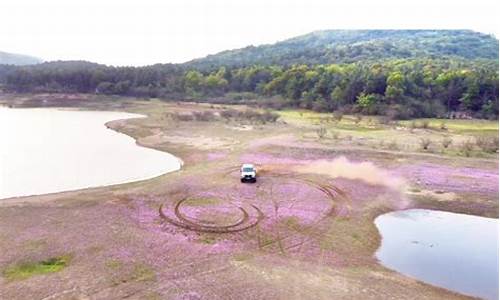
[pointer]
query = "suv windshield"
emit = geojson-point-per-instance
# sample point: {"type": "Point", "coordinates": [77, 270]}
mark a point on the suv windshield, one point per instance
{"type": "Point", "coordinates": [247, 169]}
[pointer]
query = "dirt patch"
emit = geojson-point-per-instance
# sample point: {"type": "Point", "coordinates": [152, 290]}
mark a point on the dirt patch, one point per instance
{"type": "Point", "coordinates": [437, 195]}
{"type": "Point", "coordinates": [241, 127]}
{"type": "Point", "coordinates": [198, 142]}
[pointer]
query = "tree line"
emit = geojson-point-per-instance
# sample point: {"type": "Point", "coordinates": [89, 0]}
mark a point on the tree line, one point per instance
{"type": "Point", "coordinates": [398, 88]}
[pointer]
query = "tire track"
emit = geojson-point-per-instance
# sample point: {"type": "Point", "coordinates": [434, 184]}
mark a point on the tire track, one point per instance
{"type": "Point", "coordinates": [339, 206]}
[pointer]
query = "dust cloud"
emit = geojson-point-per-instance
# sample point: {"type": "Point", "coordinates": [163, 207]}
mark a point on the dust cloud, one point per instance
{"type": "Point", "coordinates": [365, 171]}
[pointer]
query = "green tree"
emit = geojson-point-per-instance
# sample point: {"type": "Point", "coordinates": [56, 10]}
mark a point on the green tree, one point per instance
{"type": "Point", "coordinates": [193, 81]}
{"type": "Point", "coordinates": [366, 101]}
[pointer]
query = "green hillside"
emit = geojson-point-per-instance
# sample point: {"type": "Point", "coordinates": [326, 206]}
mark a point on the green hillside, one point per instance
{"type": "Point", "coordinates": [346, 46]}
{"type": "Point", "coordinates": [398, 73]}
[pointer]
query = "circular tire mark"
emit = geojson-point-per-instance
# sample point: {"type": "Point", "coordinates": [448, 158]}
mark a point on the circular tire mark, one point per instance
{"type": "Point", "coordinates": [248, 220]}
{"type": "Point", "coordinates": [193, 222]}
{"type": "Point", "coordinates": [242, 224]}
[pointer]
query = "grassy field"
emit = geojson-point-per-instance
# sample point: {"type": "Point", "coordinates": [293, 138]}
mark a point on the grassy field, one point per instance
{"type": "Point", "coordinates": [477, 138]}
{"type": "Point", "coordinates": [302, 232]}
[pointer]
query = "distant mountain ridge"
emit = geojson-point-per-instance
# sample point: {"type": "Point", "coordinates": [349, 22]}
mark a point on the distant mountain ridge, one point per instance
{"type": "Point", "coordinates": [7, 58]}
{"type": "Point", "coordinates": [347, 46]}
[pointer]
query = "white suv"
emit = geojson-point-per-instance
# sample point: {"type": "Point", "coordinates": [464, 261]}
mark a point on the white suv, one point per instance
{"type": "Point", "coordinates": [248, 173]}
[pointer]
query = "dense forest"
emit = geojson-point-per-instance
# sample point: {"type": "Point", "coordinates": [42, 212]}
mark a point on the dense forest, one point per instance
{"type": "Point", "coordinates": [401, 74]}
{"type": "Point", "coordinates": [348, 46]}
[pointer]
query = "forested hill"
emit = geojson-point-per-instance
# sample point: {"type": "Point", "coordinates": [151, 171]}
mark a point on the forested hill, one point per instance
{"type": "Point", "coordinates": [400, 74]}
{"type": "Point", "coordinates": [17, 59]}
{"type": "Point", "coordinates": [346, 46]}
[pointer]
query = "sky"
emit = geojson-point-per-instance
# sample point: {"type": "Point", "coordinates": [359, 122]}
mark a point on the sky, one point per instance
{"type": "Point", "coordinates": [126, 32]}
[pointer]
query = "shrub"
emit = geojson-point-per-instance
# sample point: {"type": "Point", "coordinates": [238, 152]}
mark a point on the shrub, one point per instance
{"type": "Point", "coordinates": [250, 115]}
{"type": "Point", "coordinates": [425, 143]}
{"type": "Point", "coordinates": [319, 105]}
{"type": "Point", "coordinates": [425, 124]}
{"type": "Point", "coordinates": [487, 144]}
{"type": "Point", "coordinates": [384, 120]}
{"type": "Point", "coordinates": [268, 116]}
{"type": "Point", "coordinates": [443, 126]}
{"type": "Point", "coordinates": [229, 114]}
{"type": "Point", "coordinates": [396, 124]}
{"type": "Point", "coordinates": [434, 108]}
{"type": "Point", "coordinates": [337, 116]}
{"type": "Point", "coordinates": [275, 102]}
{"type": "Point", "coordinates": [204, 116]}
{"type": "Point", "coordinates": [247, 114]}
{"type": "Point", "coordinates": [321, 132]}
{"type": "Point", "coordinates": [240, 96]}
{"type": "Point", "coordinates": [393, 145]}
{"type": "Point", "coordinates": [467, 147]}
{"type": "Point", "coordinates": [357, 119]}
{"type": "Point", "coordinates": [446, 142]}
{"type": "Point", "coordinates": [413, 124]}
{"type": "Point", "coordinates": [396, 112]}
{"type": "Point", "coordinates": [391, 114]}
{"type": "Point", "coordinates": [366, 101]}
{"type": "Point", "coordinates": [182, 117]}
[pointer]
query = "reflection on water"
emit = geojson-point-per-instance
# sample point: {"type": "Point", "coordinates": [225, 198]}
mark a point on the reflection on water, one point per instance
{"type": "Point", "coordinates": [48, 150]}
{"type": "Point", "coordinates": [455, 251]}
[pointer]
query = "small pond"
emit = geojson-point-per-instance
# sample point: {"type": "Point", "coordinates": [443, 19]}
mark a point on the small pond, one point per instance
{"type": "Point", "coordinates": [454, 251]}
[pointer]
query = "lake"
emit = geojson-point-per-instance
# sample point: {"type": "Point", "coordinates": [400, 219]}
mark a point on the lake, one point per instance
{"type": "Point", "coordinates": [50, 150]}
{"type": "Point", "coordinates": [454, 251]}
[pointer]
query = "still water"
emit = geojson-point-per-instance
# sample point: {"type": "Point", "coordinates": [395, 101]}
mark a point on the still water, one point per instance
{"type": "Point", "coordinates": [454, 251]}
{"type": "Point", "coordinates": [49, 150]}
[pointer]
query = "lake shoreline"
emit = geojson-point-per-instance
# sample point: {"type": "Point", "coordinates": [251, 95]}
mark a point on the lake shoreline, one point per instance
{"type": "Point", "coordinates": [40, 114]}
{"type": "Point", "coordinates": [340, 248]}
{"type": "Point", "coordinates": [437, 244]}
